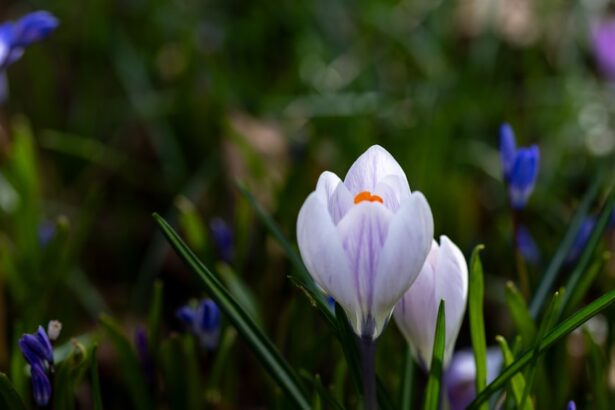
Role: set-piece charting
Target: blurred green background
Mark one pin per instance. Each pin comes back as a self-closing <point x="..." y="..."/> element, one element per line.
<point x="137" y="106"/>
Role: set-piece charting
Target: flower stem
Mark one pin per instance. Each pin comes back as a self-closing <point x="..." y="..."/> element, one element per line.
<point x="519" y="260"/>
<point x="368" y="357"/>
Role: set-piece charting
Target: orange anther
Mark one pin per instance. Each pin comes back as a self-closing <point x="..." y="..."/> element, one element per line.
<point x="367" y="196"/>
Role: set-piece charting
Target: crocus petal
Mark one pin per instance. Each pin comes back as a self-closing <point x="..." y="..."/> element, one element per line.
<point x="324" y="257"/>
<point x="403" y="254"/>
<point x="370" y="168"/>
<point x="392" y="189"/>
<point x="507" y="149"/>
<point x="335" y="194"/>
<point x="523" y="176"/>
<point x="363" y="232"/>
<point x="444" y="276"/>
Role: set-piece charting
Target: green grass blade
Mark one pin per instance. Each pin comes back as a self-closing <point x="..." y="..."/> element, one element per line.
<point x="590" y="248"/>
<point x="434" y="380"/>
<point x="95" y="380"/>
<point x="550" y="275"/>
<point x="520" y="314"/>
<point x="476" y="292"/>
<point x="9" y="398"/>
<point x="552" y="337"/>
<point x="325" y="395"/>
<point x="262" y="347"/>
<point x="517" y="382"/>
<point x="545" y="325"/>
<point x="580" y="290"/>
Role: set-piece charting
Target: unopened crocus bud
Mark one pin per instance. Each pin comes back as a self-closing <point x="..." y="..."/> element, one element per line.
<point x="203" y="321"/>
<point x="364" y="239"/>
<point x="519" y="167"/>
<point x="444" y="276"/>
<point x="54" y="328"/>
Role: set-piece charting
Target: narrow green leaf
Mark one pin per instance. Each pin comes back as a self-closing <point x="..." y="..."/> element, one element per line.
<point x="173" y="364"/>
<point x="262" y="347"/>
<point x="68" y="374"/>
<point x="9" y="398"/>
<point x="520" y="314"/>
<point x="598" y="371"/>
<point x="545" y="325"/>
<point x="580" y="290"/>
<point x="155" y="317"/>
<point x="589" y="250"/>
<point x="517" y="383"/>
<point x="407" y="381"/>
<point x="552" y="337"/>
<point x="550" y="275"/>
<point x="434" y="380"/>
<point x="476" y="292"/>
<point x="95" y="380"/>
<point x="131" y="369"/>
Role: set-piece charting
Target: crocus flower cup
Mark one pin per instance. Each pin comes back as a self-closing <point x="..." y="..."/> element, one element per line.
<point x="444" y="276"/>
<point x="364" y="239"/>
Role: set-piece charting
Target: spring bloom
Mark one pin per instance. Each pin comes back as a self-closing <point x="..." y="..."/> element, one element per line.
<point x="519" y="167"/>
<point x="460" y="377"/>
<point x="36" y="349"/>
<point x="443" y="276"/>
<point x="203" y="321"/>
<point x="603" y="44"/>
<point x="572" y="405"/>
<point x="364" y="239"/>
<point x="16" y="36"/>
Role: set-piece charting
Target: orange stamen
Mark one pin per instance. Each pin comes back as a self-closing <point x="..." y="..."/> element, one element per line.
<point x="367" y="196"/>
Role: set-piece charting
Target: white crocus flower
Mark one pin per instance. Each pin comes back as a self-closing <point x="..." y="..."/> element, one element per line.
<point x="444" y="276"/>
<point x="364" y="240"/>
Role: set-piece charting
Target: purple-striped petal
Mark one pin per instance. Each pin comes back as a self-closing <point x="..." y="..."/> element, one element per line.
<point x="372" y="166"/>
<point x="41" y="386"/>
<point x="324" y="256"/>
<point x="363" y="232"/>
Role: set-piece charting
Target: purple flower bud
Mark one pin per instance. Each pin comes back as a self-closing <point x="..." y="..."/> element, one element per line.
<point x="223" y="238"/>
<point x="186" y="315"/>
<point x="46" y="231"/>
<point x="581" y="238"/>
<point x="519" y="167"/>
<point x="33" y="27"/>
<point x="41" y="386"/>
<point x="527" y="245"/>
<point x="143" y="352"/>
<point x="572" y="405"/>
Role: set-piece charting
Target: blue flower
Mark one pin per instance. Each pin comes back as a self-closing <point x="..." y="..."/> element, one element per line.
<point x="36" y="349"/>
<point x="41" y="386"/>
<point x="572" y="405"/>
<point x="223" y="238"/>
<point x="519" y="167"/>
<point x="527" y="245"/>
<point x="16" y="36"/>
<point x="203" y="321"/>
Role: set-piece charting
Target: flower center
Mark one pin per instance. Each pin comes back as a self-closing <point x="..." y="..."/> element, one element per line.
<point x="367" y="196"/>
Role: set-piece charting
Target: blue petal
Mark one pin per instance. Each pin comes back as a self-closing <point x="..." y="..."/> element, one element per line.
<point x="6" y="43"/>
<point x="572" y="405"/>
<point x="208" y="316"/>
<point x="523" y="176"/>
<point x="41" y="386"/>
<point x="30" y="349"/>
<point x="43" y="339"/>
<point x="33" y="27"/>
<point x="223" y="238"/>
<point x="507" y="150"/>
